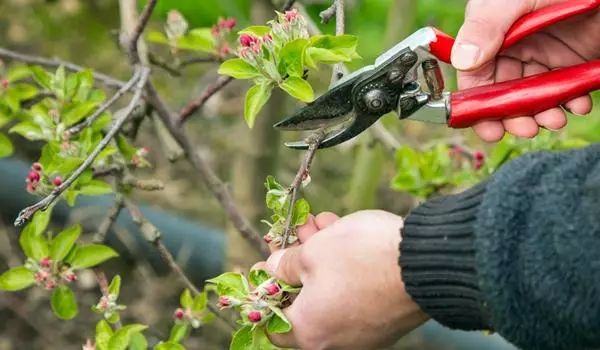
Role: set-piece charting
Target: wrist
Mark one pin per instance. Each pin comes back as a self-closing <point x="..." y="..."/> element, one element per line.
<point x="437" y="260"/>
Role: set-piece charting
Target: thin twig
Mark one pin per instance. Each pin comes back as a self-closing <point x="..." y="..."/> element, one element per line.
<point x="110" y="219"/>
<point x="134" y="56"/>
<point x="327" y="14"/>
<point x="288" y="4"/>
<point x="166" y="255"/>
<point x="315" y="139"/>
<point x="26" y="213"/>
<point x="87" y="122"/>
<point x="55" y="62"/>
<point x="159" y="62"/>
<point x="193" y="60"/>
<point x="196" y="104"/>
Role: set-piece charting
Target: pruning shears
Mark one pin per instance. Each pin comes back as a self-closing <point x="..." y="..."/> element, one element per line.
<point x="394" y="83"/>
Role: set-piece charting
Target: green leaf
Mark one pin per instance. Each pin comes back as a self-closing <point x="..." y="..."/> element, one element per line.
<point x="344" y="44"/>
<point x="157" y="37"/>
<point x="255" y="30"/>
<point x="288" y="288"/>
<point x="18" y="72"/>
<point x="301" y="211"/>
<point x="6" y="146"/>
<point x="168" y="346"/>
<point x="138" y="342"/>
<point x="11" y="100"/>
<point x="34" y="245"/>
<point x="115" y="285"/>
<point x="62" y="244"/>
<point x="278" y="323"/>
<point x="41" y="219"/>
<point x="103" y="334"/>
<point x="103" y="121"/>
<point x="242" y="339"/>
<point x="198" y="39"/>
<point x="24" y="91"/>
<point x="28" y="130"/>
<point x="79" y="112"/>
<point x="91" y="255"/>
<point x="42" y="77"/>
<point x="272" y="184"/>
<point x="96" y="188"/>
<point x="86" y="84"/>
<point x="186" y="299"/>
<point x="256" y="97"/>
<point x="231" y="283"/>
<point x="238" y="69"/>
<point x="298" y="88"/>
<point x="122" y="338"/>
<point x="63" y="303"/>
<point x="326" y="56"/>
<point x="257" y="277"/>
<point x="292" y="58"/>
<point x="72" y="86"/>
<point x="17" y="278"/>
<point x="179" y="332"/>
<point x="58" y="82"/>
<point x="5" y="116"/>
<point x="200" y="301"/>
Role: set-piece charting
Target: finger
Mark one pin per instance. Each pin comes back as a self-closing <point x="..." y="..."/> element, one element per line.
<point x="489" y="131"/>
<point x="580" y="106"/>
<point x="286" y="340"/>
<point x="325" y="219"/>
<point x="287" y="265"/>
<point x="483" y="31"/>
<point x="308" y="229"/>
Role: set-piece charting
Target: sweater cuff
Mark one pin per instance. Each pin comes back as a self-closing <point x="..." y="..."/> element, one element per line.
<point x="437" y="260"/>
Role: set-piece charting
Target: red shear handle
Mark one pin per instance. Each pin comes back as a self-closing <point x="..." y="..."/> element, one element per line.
<point x="528" y="24"/>
<point x="523" y="97"/>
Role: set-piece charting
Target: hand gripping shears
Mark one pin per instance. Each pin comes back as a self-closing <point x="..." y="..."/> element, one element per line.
<point x="393" y="83"/>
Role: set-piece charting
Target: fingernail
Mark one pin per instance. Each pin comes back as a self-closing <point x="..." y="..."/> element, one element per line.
<point x="465" y="56"/>
<point x="273" y="261"/>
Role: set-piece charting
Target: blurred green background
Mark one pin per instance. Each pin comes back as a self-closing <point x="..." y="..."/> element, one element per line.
<point x="355" y="176"/>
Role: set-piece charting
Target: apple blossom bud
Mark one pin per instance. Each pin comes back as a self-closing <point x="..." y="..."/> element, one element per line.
<point x="479" y="156"/>
<point x="89" y="345"/>
<point x="70" y="277"/>
<point x="179" y="314"/>
<point x="57" y="181"/>
<point x="4" y="83"/>
<point x="45" y="262"/>
<point x="230" y="23"/>
<point x="273" y="289"/>
<point x="34" y="176"/>
<point x="50" y="285"/>
<point x="41" y="276"/>
<point x="291" y="15"/>
<point x="36" y="166"/>
<point x="267" y="238"/>
<point x="214" y="31"/>
<point x="247" y="40"/>
<point x="254" y="316"/>
<point x="267" y="38"/>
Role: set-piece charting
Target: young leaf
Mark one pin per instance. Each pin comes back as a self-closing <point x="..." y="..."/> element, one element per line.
<point x="72" y="85"/>
<point x="301" y="211"/>
<point x="41" y="76"/>
<point x="169" y="346"/>
<point x="278" y="323"/>
<point x="62" y="244"/>
<point x="103" y="334"/>
<point x="24" y="91"/>
<point x="96" y="188"/>
<point x="115" y="285"/>
<point x="199" y="39"/>
<point x="255" y="30"/>
<point x="79" y="112"/>
<point x="28" y="130"/>
<point x="242" y="339"/>
<point x="6" y="146"/>
<point x="326" y="56"/>
<point x="16" y="279"/>
<point x="238" y="69"/>
<point x="157" y="37"/>
<point x="17" y="73"/>
<point x="287" y="288"/>
<point x="292" y="58"/>
<point x="34" y="245"/>
<point x="58" y="82"/>
<point x="272" y="184"/>
<point x="256" y="277"/>
<point x="91" y="255"/>
<point x="200" y="301"/>
<point x="298" y="88"/>
<point x="63" y="303"/>
<point x="231" y="283"/>
<point x="122" y="338"/>
<point x="179" y="332"/>
<point x="138" y="342"/>
<point x="256" y="97"/>
<point x="186" y="299"/>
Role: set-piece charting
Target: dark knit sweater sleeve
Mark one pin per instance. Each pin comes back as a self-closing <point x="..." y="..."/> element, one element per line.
<point x="518" y="254"/>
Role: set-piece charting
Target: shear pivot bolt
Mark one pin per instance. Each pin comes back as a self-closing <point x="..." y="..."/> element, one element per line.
<point x="374" y="99"/>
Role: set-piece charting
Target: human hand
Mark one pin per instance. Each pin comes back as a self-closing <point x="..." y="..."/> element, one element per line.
<point x="352" y="293"/>
<point x="475" y="55"/>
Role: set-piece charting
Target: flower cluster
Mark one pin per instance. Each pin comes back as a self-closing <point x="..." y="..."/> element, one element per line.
<point x="189" y="316"/>
<point x="108" y="306"/>
<point x="138" y="159"/>
<point x="478" y="160"/>
<point x="258" y="306"/>
<point x="38" y="182"/>
<point x="220" y="33"/>
<point x="289" y="26"/>
<point x="48" y="274"/>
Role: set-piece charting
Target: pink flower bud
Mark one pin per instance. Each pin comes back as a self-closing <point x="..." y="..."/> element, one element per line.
<point x="4" y="83"/>
<point x="291" y="15"/>
<point x="50" y="285"/>
<point x="254" y="316"/>
<point x="230" y="23"/>
<point x="31" y="188"/>
<point x="214" y="31"/>
<point x="225" y="50"/>
<point x="224" y="301"/>
<point x="273" y="289"/>
<point x="479" y="156"/>
<point x="41" y="276"/>
<point x="179" y="314"/>
<point x="45" y="262"/>
<point x="103" y="303"/>
<point x="36" y="166"/>
<point x="57" y="181"/>
<point x="267" y="238"/>
<point x="267" y="38"/>
<point x="247" y="40"/>
<point x="89" y="345"/>
<point x="71" y="277"/>
<point x="256" y="46"/>
<point x="477" y="165"/>
<point x="34" y="176"/>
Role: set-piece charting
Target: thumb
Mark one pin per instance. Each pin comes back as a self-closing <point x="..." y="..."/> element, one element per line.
<point x="286" y="265"/>
<point x="483" y="31"/>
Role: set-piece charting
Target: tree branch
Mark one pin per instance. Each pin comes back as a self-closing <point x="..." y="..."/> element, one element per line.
<point x="134" y="56"/>
<point x="196" y="104"/>
<point x="26" y="213"/>
<point x="54" y="63"/>
<point x="128" y="86"/>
